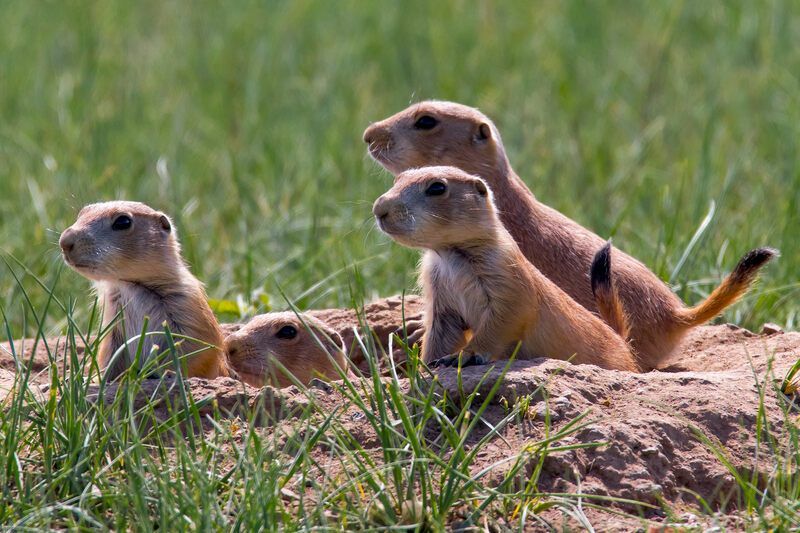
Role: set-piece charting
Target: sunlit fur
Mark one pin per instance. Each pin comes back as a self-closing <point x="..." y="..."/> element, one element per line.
<point x="313" y="353"/>
<point x="481" y="294"/>
<point x="559" y="247"/>
<point x="138" y="274"/>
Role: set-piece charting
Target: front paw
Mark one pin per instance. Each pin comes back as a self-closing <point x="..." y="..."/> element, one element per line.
<point x="466" y="360"/>
<point x="411" y="333"/>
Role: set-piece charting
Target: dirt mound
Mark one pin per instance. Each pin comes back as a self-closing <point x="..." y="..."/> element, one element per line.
<point x="653" y="424"/>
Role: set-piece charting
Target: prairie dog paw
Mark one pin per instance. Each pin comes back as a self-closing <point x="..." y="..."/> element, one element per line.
<point x="466" y="360"/>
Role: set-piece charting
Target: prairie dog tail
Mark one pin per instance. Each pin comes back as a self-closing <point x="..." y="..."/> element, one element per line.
<point x="731" y="289"/>
<point x="605" y="294"/>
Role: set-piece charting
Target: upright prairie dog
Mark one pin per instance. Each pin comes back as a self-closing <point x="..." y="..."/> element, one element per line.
<point x="445" y="133"/>
<point x="131" y="253"/>
<point x="482" y="296"/>
<point x="304" y="345"/>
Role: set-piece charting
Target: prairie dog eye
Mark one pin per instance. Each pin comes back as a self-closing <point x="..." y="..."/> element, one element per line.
<point x="121" y="223"/>
<point x="437" y="188"/>
<point x="287" y="332"/>
<point x="425" y="122"/>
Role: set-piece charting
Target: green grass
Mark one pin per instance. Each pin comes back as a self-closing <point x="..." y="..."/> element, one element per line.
<point x="71" y="461"/>
<point x="243" y="121"/>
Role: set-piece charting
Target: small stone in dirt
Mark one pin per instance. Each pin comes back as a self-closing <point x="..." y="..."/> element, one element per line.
<point x="652" y="450"/>
<point x="321" y="385"/>
<point x="562" y="401"/>
<point x="771" y="329"/>
<point x="740" y="330"/>
<point x="555" y="412"/>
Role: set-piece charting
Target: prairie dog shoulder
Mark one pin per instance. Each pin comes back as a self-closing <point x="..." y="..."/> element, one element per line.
<point x="131" y="253"/>
<point x="304" y="345"/>
<point x="482" y="295"/>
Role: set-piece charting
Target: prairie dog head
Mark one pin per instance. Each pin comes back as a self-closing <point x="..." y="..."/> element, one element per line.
<point x="121" y="241"/>
<point x="437" y="207"/>
<point x="293" y="341"/>
<point x="437" y="133"/>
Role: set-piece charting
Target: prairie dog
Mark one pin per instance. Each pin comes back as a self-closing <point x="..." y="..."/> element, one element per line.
<point x="446" y="133"/>
<point x="481" y="295"/>
<point x="307" y="347"/>
<point x="132" y="255"/>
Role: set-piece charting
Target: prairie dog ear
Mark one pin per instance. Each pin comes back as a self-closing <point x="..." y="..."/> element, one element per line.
<point x="339" y="341"/>
<point x="480" y="186"/>
<point x="331" y="338"/>
<point x="166" y="225"/>
<point x="483" y="133"/>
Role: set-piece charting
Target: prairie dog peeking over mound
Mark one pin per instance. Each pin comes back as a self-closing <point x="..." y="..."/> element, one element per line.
<point x="446" y="133"/>
<point x="303" y="344"/>
<point x="481" y="295"/>
<point x="132" y="255"/>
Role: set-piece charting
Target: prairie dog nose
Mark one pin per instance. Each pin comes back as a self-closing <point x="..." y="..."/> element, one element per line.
<point x="233" y="351"/>
<point x="369" y="133"/>
<point x="375" y="133"/>
<point x="232" y="345"/>
<point x="381" y="207"/>
<point x="67" y="240"/>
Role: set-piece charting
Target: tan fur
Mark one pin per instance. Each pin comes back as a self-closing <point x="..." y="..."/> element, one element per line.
<point x="481" y="294"/>
<point x="559" y="247"/>
<point x="138" y="273"/>
<point x="605" y="292"/>
<point x="610" y="309"/>
<point x="314" y="352"/>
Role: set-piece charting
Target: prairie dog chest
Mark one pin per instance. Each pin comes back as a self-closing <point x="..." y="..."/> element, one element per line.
<point x="459" y="283"/>
<point x="134" y="304"/>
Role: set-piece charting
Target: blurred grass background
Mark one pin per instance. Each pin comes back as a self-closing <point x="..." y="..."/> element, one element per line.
<point x="243" y="121"/>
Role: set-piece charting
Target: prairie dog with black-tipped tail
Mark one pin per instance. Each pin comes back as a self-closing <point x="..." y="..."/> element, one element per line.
<point x="482" y="296"/>
<point x="132" y="255"/>
<point x="447" y="133"/>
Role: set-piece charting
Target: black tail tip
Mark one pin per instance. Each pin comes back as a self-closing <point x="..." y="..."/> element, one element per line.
<point x="601" y="268"/>
<point x="754" y="260"/>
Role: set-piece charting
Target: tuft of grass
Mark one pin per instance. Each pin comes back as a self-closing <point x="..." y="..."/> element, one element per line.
<point x="791" y="381"/>
<point x="767" y="495"/>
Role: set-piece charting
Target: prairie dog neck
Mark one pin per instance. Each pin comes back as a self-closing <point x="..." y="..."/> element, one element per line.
<point x="159" y="303"/>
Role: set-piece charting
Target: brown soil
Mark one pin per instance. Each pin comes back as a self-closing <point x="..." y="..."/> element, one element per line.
<point x="650" y="422"/>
